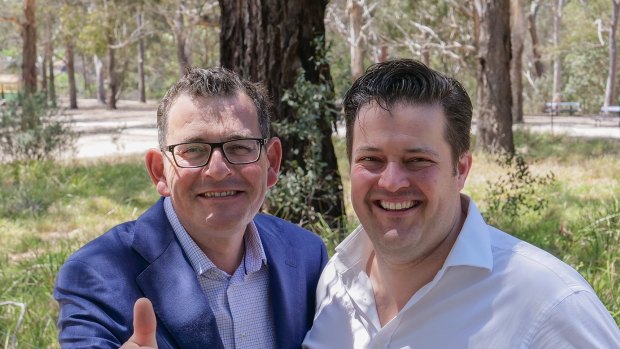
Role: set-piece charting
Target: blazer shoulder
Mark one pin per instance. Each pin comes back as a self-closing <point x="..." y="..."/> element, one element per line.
<point x="272" y="225"/>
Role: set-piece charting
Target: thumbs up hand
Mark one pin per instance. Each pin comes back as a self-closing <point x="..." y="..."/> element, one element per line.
<point x="144" y="326"/>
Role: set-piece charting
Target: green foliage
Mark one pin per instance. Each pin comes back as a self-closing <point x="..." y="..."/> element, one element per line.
<point x="32" y="130"/>
<point x="34" y="188"/>
<point x="304" y="189"/>
<point x="298" y="188"/>
<point x="515" y="192"/>
<point x="48" y="210"/>
<point x="593" y="250"/>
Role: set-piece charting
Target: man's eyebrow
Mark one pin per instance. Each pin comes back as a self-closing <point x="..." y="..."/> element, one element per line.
<point x="416" y="150"/>
<point x="200" y="139"/>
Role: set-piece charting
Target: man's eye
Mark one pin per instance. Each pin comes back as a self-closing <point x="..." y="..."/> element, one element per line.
<point x="192" y="150"/>
<point x="239" y="149"/>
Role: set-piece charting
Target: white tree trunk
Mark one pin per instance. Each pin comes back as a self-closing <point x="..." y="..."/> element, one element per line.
<point x="611" y="88"/>
<point x="356" y="43"/>
<point x="557" y="58"/>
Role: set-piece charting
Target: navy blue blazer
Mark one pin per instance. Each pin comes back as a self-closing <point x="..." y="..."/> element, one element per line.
<point x="97" y="286"/>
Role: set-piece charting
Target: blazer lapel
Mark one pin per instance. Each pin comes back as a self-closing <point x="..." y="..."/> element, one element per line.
<point x="285" y="287"/>
<point x="171" y="285"/>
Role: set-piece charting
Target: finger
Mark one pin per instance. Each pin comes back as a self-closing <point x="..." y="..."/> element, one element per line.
<point x="144" y="324"/>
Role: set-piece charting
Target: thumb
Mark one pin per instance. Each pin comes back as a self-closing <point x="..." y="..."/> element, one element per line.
<point x="144" y="324"/>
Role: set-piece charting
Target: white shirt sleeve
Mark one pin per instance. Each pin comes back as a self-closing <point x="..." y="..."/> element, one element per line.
<point x="578" y="321"/>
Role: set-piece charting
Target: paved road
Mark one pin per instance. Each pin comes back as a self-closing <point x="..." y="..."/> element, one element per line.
<point x="132" y="128"/>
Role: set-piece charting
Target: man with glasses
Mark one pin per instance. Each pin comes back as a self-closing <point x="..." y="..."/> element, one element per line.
<point x="202" y="267"/>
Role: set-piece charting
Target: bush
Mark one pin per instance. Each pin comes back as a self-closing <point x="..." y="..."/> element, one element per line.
<point x="516" y="192"/>
<point x="30" y="129"/>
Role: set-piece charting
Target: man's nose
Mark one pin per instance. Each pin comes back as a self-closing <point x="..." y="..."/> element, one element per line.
<point x="394" y="177"/>
<point x="218" y="167"/>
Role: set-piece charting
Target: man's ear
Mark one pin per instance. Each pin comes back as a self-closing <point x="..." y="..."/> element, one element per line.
<point x="274" y="155"/>
<point x="154" y="160"/>
<point x="462" y="169"/>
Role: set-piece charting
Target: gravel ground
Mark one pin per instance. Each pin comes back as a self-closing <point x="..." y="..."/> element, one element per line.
<point x="132" y="128"/>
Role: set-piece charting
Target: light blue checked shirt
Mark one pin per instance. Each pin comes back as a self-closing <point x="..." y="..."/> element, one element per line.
<point x="240" y="302"/>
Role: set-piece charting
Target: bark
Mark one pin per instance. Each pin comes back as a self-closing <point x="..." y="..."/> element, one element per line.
<point x="112" y="80"/>
<point x="29" y="48"/>
<point x="141" y="86"/>
<point x="611" y="87"/>
<point x="51" y="93"/>
<point x="181" y="39"/>
<point x="269" y="41"/>
<point x="85" y="75"/>
<point x="100" y="79"/>
<point x="539" y="68"/>
<point x="44" y="71"/>
<point x="494" y="100"/>
<point x="516" y="63"/>
<point x="384" y="54"/>
<point x="557" y="58"/>
<point x="356" y="42"/>
<point x="70" y="60"/>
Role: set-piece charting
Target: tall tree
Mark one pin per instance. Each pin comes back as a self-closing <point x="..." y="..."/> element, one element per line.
<point x="531" y="22"/>
<point x="70" y="61"/>
<point x="517" y="22"/>
<point x="28" y="31"/>
<point x="356" y="41"/>
<point x="29" y="40"/>
<point x="557" y="57"/>
<point x="612" y="82"/>
<point x="270" y="41"/>
<point x="141" y="86"/>
<point x="494" y="100"/>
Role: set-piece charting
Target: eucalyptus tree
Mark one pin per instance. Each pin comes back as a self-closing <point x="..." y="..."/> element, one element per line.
<point x="494" y="98"/>
<point x="281" y="43"/>
<point x="27" y="27"/>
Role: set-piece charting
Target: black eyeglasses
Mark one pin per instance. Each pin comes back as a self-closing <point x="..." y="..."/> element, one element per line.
<point x="198" y="154"/>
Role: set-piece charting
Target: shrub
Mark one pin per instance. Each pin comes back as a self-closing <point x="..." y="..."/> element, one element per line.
<point x="516" y="192"/>
<point x="30" y="129"/>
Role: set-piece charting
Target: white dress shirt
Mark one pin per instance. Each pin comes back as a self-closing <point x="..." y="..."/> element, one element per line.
<point x="493" y="291"/>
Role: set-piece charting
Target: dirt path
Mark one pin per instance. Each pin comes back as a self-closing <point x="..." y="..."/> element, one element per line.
<point x="132" y="128"/>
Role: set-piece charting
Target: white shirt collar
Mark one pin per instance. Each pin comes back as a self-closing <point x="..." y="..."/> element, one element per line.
<point x="471" y="248"/>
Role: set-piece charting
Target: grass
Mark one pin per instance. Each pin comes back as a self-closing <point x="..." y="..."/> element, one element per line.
<point x="48" y="210"/>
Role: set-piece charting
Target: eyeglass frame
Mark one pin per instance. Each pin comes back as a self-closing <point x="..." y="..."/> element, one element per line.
<point x="220" y="145"/>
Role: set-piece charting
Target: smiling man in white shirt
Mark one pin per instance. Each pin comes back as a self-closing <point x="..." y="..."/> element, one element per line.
<point x="424" y="270"/>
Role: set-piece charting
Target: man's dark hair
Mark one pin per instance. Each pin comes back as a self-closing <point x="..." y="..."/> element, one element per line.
<point x="411" y="82"/>
<point x="214" y="82"/>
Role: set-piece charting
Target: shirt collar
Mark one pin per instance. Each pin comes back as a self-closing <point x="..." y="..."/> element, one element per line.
<point x="473" y="245"/>
<point x="254" y="254"/>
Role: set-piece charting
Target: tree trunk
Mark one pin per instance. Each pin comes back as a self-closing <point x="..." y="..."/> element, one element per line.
<point x="494" y="100"/>
<point x="531" y="20"/>
<point x="100" y="79"/>
<point x="44" y="71"/>
<point x="51" y="94"/>
<point x="516" y="63"/>
<point x="356" y="42"/>
<point x="85" y="75"/>
<point x="181" y="38"/>
<point x="29" y="48"/>
<point x="112" y="83"/>
<point x="269" y="41"/>
<point x="141" y="86"/>
<point x="611" y="87"/>
<point x="557" y="58"/>
<point x="70" y="57"/>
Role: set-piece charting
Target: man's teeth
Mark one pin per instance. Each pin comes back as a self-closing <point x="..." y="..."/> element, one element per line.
<point x="218" y="194"/>
<point x="396" y="205"/>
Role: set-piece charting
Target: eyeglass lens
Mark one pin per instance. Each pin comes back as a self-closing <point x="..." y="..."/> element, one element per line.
<point x="241" y="151"/>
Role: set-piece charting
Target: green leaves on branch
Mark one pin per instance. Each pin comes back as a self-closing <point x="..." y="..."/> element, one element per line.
<point x="515" y="192"/>
<point x="32" y="130"/>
